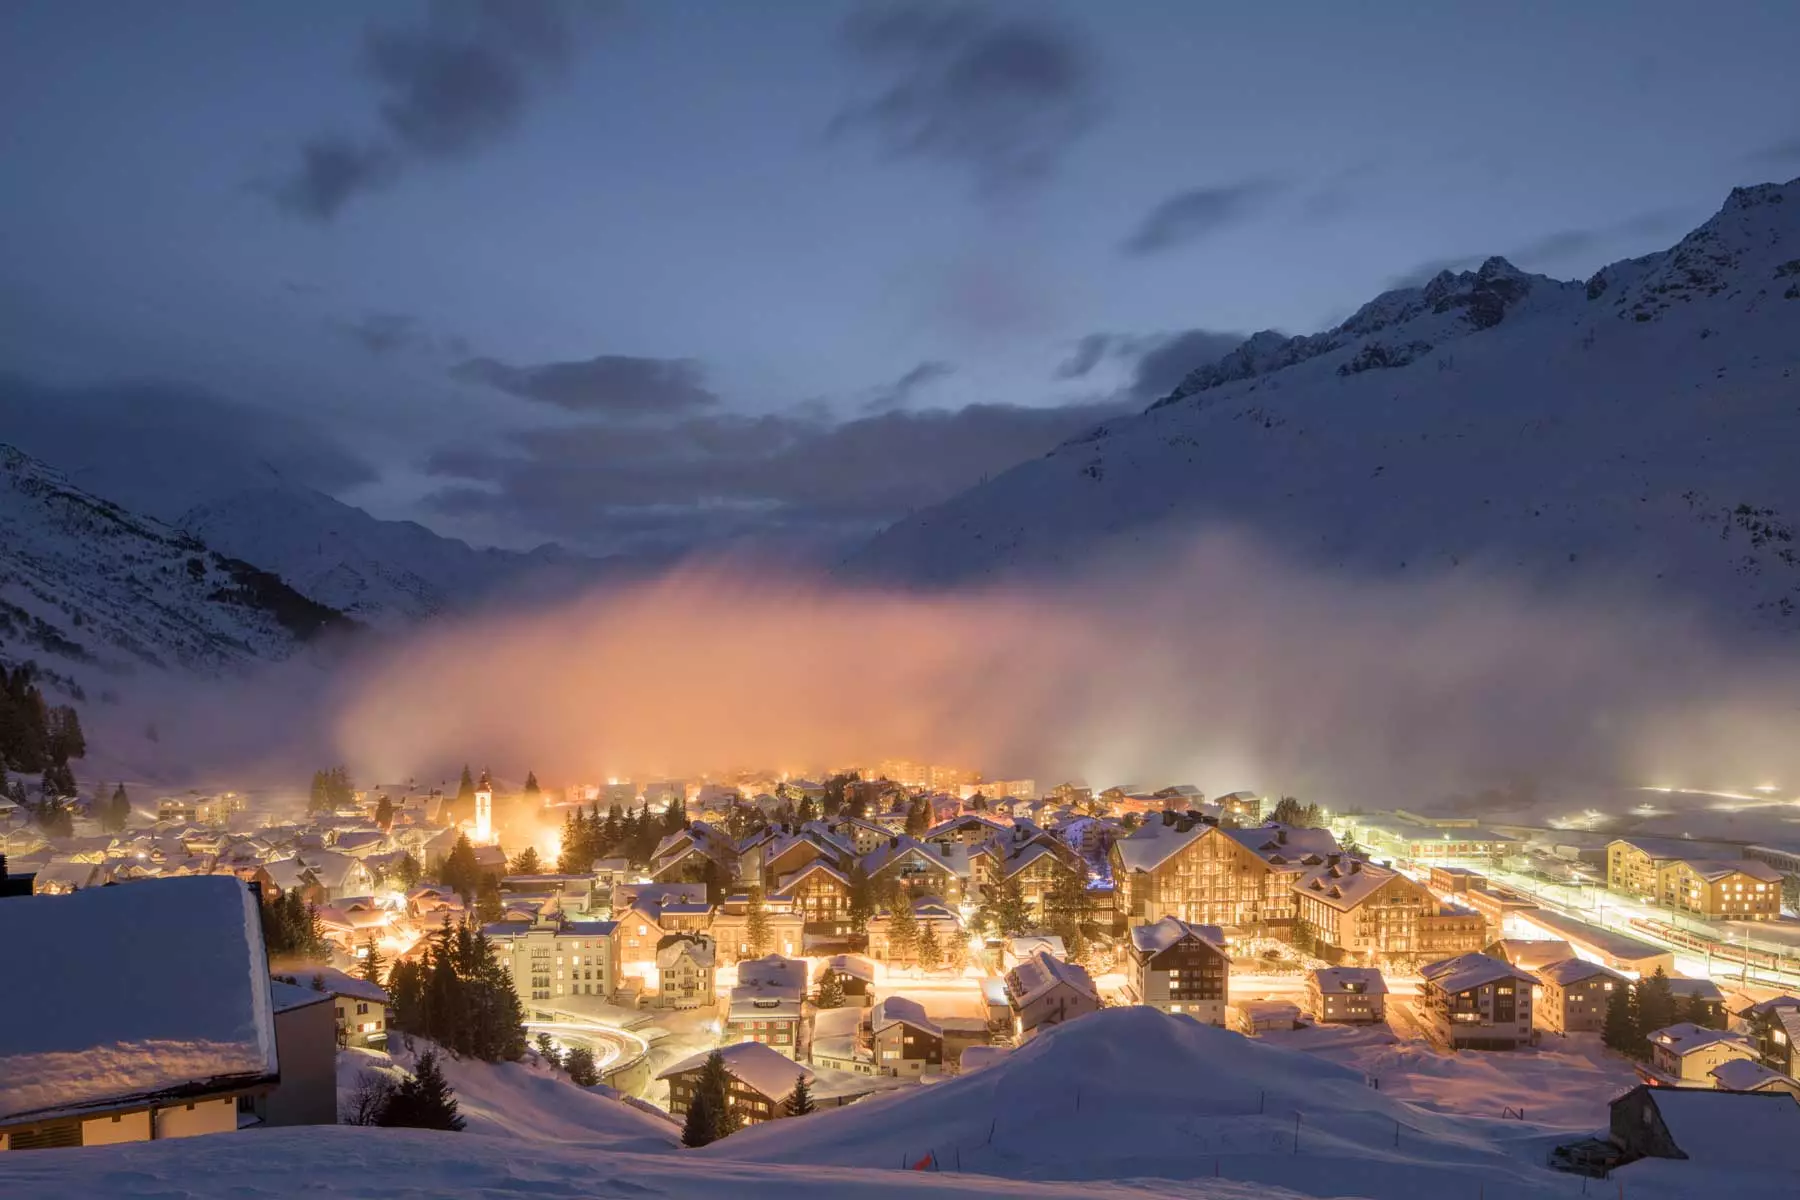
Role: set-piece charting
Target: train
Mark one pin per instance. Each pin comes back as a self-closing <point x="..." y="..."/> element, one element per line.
<point x="1699" y="943"/>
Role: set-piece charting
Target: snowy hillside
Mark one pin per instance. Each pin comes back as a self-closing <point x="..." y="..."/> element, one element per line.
<point x="1638" y="429"/>
<point x="384" y="573"/>
<point x="96" y="594"/>
<point x="1127" y="1103"/>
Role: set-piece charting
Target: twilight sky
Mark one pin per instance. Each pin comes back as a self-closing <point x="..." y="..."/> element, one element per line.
<point x="648" y="275"/>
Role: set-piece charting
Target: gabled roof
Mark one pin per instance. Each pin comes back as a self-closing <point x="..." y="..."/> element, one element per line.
<point x="1575" y="970"/>
<point x="1747" y="1075"/>
<point x="1714" y="869"/>
<point x="899" y="847"/>
<point x="1684" y="1037"/>
<point x="671" y="947"/>
<point x="898" y="1010"/>
<point x="1158" y="936"/>
<point x="1467" y="971"/>
<point x="1731" y="1129"/>
<point x="786" y="884"/>
<point x="1346" y="981"/>
<point x="768" y="1071"/>
<point x="1292" y="842"/>
<point x="1153" y="844"/>
<point x="1348" y="884"/>
<point x="1040" y="973"/>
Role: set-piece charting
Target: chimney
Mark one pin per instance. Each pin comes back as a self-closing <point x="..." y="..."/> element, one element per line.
<point x="1168" y="816"/>
<point x="1355" y="866"/>
<point x="1332" y="860"/>
<point x="1281" y="837"/>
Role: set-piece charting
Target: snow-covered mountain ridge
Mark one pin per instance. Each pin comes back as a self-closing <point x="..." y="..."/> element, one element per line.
<point x="385" y="573"/>
<point x="96" y="593"/>
<point x="1637" y="428"/>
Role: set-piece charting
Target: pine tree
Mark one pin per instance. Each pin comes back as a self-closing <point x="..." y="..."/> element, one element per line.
<point x="756" y="924"/>
<point x="918" y="817"/>
<point x="115" y="811"/>
<point x="372" y="963"/>
<point x="489" y="908"/>
<point x="59" y="780"/>
<point x="384" y="813"/>
<point x="1620" y="1031"/>
<point x="701" y="1126"/>
<point x="831" y="989"/>
<point x="1011" y="915"/>
<point x="930" y="952"/>
<point x="862" y="899"/>
<point x="1656" y="1003"/>
<point x="526" y="862"/>
<point x="579" y="1063"/>
<point x="425" y="1101"/>
<point x="531" y="784"/>
<point x="460" y="871"/>
<point x="903" y="932"/>
<point x="674" y="818"/>
<point x="806" y="812"/>
<point x="800" y="1102"/>
<point x="715" y="1080"/>
<point x="409" y="871"/>
<point x="546" y="1049"/>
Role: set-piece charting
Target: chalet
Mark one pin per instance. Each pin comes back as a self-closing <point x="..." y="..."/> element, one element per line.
<point x="192" y="950"/>
<point x="1180" y="865"/>
<point x="1039" y="868"/>
<point x="1684" y="1054"/>
<point x="1573" y="995"/>
<point x="768" y="1004"/>
<point x="787" y="854"/>
<point x="1023" y="947"/>
<point x="731" y="928"/>
<point x="359" y="1008"/>
<point x="862" y="836"/>
<point x="820" y="893"/>
<point x="903" y="1040"/>
<point x="761" y="1081"/>
<point x="1713" y="1129"/>
<point x="701" y="853"/>
<point x="915" y="868"/>
<point x="970" y="829"/>
<point x="1775" y="1027"/>
<point x="1347" y="995"/>
<point x="1044" y="991"/>
<point x="1179" y="968"/>
<point x="684" y="969"/>
<point x="1477" y="1002"/>
<point x="855" y="975"/>
<point x="1686" y="876"/>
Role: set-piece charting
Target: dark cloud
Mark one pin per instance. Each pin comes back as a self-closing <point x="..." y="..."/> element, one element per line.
<point x="1001" y="96"/>
<point x="1776" y="153"/>
<point x="449" y="86"/>
<point x="900" y="392"/>
<point x="1198" y="213"/>
<point x="383" y="333"/>
<point x="1087" y="355"/>
<point x="162" y="448"/>
<point x="637" y="487"/>
<point x="619" y="385"/>
<point x="1167" y="362"/>
<point x="1158" y="361"/>
<point x="1564" y="251"/>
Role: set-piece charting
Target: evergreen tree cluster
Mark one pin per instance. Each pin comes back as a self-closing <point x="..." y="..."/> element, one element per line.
<point x="918" y="817"/>
<point x="461" y="997"/>
<point x="291" y="928"/>
<point x="1070" y="911"/>
<point x="1289" y="811"/>
<point x="1635" y="1011"/>
<point x="114" y="811"/>
<point x="459" y="871"/>
<point x="631" y="834"/>
<point x="331" y="789"/>
<point x="425" y="1101"/>
<point x="34" y="735"/>
<point x="710" y="1114"/>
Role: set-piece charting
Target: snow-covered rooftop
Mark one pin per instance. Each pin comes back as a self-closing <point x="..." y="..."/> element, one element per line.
<point x="133" y="991"/>
<point x="768" y="1071"/>
<point x="898" y="1010"/>
<point x="1342" y="981"/>
<point x="1158" y="936"/>
<point x="1736" y="1129"/>
<point x="1039" y="973"/>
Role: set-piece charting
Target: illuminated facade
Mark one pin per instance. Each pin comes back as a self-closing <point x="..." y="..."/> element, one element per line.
<point x="484" y="811"/>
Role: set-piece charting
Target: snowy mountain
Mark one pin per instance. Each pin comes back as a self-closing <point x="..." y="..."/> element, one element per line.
<point x="1637" y="428"/>
<point x="95" y="593"/>
<point x="384" y="573"/>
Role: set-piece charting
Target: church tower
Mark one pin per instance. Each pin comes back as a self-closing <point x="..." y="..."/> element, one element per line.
<point x="484" y="810"/>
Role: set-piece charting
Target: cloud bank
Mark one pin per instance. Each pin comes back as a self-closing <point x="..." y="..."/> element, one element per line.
<point x="1212" y="662"/>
